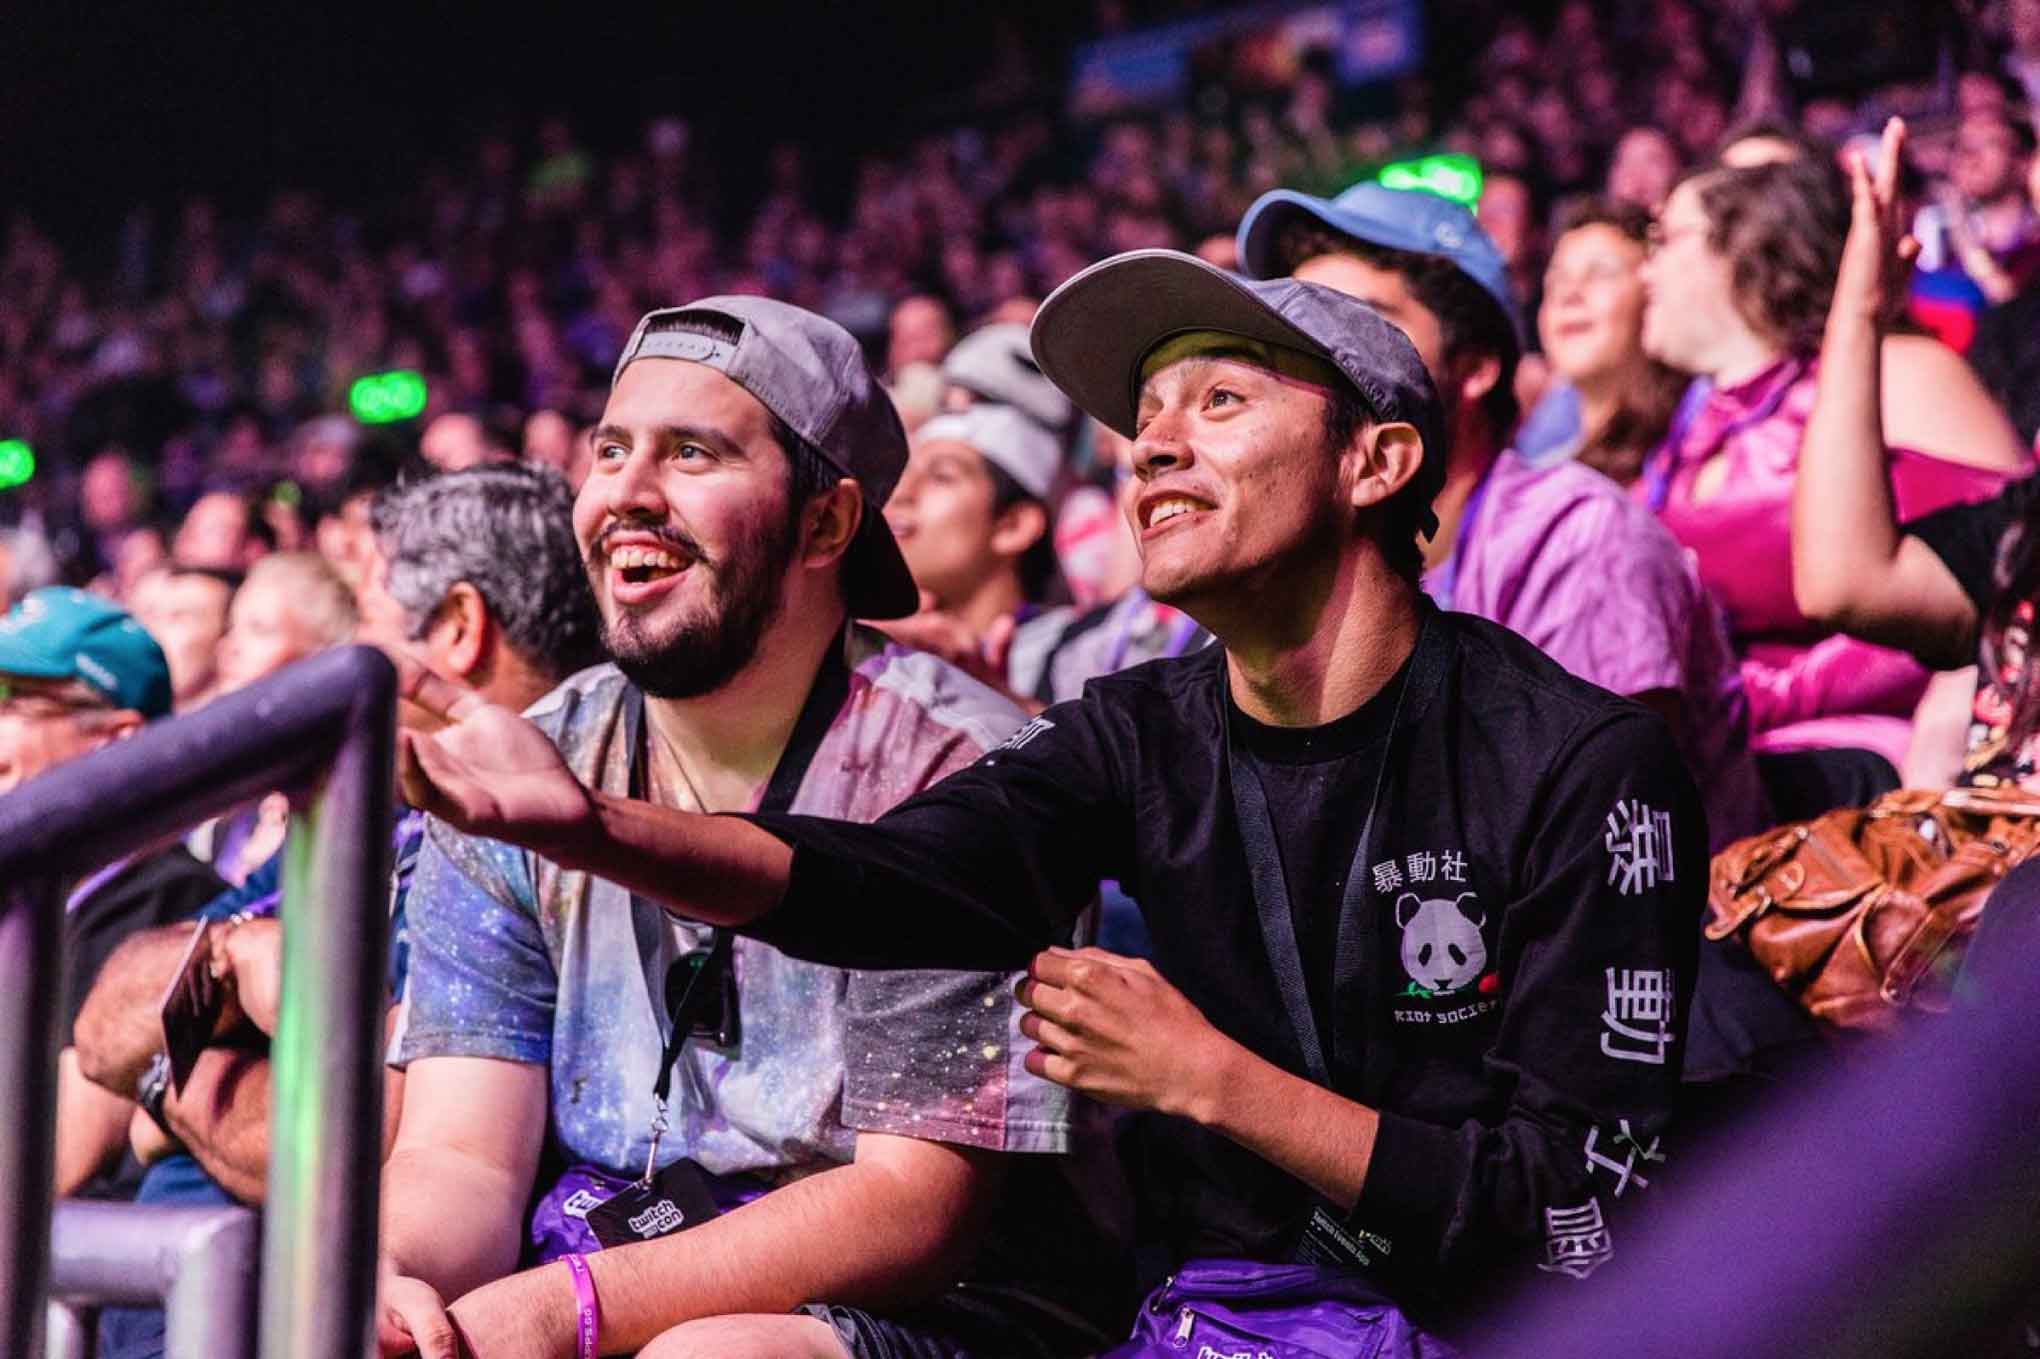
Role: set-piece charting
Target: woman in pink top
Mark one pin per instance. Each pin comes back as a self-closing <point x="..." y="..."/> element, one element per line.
<point x="1739" y="284"/>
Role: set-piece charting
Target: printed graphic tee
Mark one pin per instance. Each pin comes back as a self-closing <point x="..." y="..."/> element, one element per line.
<point x="1525" y="955"/>
<point x="515" y="958"/>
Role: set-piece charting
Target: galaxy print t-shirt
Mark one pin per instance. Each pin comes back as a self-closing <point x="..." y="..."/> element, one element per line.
<point x="516" y="959"/>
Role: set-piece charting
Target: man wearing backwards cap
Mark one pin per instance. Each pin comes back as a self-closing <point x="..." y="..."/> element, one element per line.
<point x="1557" y="553"/>
<point x="78" y="673"/>
<point x="971" y="516"/>
<point x="850" y="1127"/>
<point x="1422" y="903"/>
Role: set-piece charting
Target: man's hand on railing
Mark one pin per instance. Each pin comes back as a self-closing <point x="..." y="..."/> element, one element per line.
<point x="489" y="771"/>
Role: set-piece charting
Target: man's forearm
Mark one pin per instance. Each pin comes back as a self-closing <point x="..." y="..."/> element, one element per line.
<point x="91" y="1125"/>
<point x="120" y="1026"/>
<point x="1323" y="1139"/>
<point x="717" y="870"/>
<point x="222" y="1117"/>
<point x="862" y="1234"/>
<point x="449" y="1220"/>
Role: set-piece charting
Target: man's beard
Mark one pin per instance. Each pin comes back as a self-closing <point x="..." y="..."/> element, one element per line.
<point x="702" y="652"/>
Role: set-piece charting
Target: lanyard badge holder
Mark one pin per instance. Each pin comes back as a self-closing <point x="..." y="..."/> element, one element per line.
<point x="702" y="1002"/>
<point x="1327" y="1240"/>
<point x="701" y="994"/>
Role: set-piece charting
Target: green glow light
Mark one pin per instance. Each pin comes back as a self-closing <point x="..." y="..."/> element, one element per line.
<point x="381" y="398"/>
<point x="1450" y="174"/>
<point x="17" y="463"/>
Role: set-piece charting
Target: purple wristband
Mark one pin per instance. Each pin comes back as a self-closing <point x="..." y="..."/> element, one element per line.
<point x="588" y="1325"/>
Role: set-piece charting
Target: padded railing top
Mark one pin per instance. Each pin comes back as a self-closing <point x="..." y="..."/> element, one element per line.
<point x="276" y="733"/>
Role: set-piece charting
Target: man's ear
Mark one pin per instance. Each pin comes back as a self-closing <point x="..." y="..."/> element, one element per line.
<point x="1393" y="453"/>
<point x="459" y="635"/>
<point x="1018" y="527"/>
<point x="1476" y="377"/>
<point x="830" y="522"/>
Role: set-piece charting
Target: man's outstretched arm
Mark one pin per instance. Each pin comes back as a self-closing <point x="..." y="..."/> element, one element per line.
<point x="492" y="773"/>
<point x="977" y="872"/>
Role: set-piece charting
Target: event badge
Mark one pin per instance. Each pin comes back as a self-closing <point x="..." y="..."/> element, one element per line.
<point x="672" y="1200"/>
<point x="1329" y="1243"/>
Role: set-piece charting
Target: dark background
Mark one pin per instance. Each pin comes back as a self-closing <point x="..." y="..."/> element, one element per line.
<point x="106" y="105"/>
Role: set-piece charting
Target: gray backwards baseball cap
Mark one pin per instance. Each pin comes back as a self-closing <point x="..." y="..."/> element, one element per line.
<point x="1094" y="332"/>
<point x="809" y="372"/>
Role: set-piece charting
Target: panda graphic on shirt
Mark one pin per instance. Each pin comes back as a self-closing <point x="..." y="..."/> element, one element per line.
<point x="1442" y="939"/>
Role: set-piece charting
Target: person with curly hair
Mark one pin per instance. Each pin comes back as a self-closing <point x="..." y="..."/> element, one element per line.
<point x="1740" y="281"/>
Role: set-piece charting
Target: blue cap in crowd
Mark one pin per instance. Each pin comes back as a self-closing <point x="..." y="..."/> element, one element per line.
<point x="1399" y="219"/>
<point x="59" y="633"/>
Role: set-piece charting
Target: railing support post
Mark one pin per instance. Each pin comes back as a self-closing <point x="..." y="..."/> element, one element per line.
<point x="31" y="923"/>
<point x="332" y="713"/>
<point x="325" y="1132"/>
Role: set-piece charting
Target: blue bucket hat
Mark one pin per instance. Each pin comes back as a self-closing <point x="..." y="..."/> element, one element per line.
<point x="59" y="633"/>
<point x="1399" y="219"/>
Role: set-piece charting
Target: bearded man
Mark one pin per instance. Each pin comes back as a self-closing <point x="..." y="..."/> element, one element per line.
<point x="815" y="1137"/>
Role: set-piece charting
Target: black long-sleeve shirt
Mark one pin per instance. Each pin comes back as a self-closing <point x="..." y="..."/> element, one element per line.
<point x="1536" y="875"/>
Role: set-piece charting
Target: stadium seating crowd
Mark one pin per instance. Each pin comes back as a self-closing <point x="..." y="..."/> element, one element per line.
<point x="1695" y="429"/>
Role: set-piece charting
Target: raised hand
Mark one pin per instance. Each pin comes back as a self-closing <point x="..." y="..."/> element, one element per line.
<point x="1877" y="257"/>
<point x="489" y="771"/>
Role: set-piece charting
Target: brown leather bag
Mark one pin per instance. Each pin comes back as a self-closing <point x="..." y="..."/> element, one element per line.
<point x="1862" y="913"/>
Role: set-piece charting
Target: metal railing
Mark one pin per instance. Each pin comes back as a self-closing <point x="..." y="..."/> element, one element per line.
<point x="197" y="1264"/>
<point x="321" y="729"/>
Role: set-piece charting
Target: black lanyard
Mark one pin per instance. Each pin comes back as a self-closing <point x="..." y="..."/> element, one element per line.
<point x="697" y="982"/>
<point x="1271" y="888"/>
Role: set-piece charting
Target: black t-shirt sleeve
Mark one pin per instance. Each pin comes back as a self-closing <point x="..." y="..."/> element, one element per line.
<point x="1967" y="537"/>
<point x="160" y="890"/>
<point x="1586" y="1061"/>
<point x="978" y="872"/>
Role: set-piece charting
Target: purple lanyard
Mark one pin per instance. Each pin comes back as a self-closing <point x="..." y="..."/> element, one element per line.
<point x="95" y="882"/>
<point x="1444" y="577"/>
<point x="1663" y="465"/>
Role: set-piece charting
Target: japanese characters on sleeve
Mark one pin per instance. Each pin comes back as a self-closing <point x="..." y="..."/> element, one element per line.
<point x="1591" y="969"/>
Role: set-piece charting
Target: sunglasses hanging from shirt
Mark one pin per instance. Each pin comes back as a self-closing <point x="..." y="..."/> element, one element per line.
<point x="701" y="1001"/>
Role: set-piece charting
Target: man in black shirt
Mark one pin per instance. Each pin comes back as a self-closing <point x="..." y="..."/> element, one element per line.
<point x="1423" y="904"/>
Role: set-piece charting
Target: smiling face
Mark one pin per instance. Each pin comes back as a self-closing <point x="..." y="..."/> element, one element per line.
<point x="944" y="513"/>
<point x="1591" y="320"/>
<point x="1235" y="478"/>
<point x="684" y="524"/>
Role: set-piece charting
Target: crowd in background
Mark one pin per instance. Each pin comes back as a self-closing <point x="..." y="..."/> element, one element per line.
<point x="1628" y="350"/>
<point x="195" y="350"/>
